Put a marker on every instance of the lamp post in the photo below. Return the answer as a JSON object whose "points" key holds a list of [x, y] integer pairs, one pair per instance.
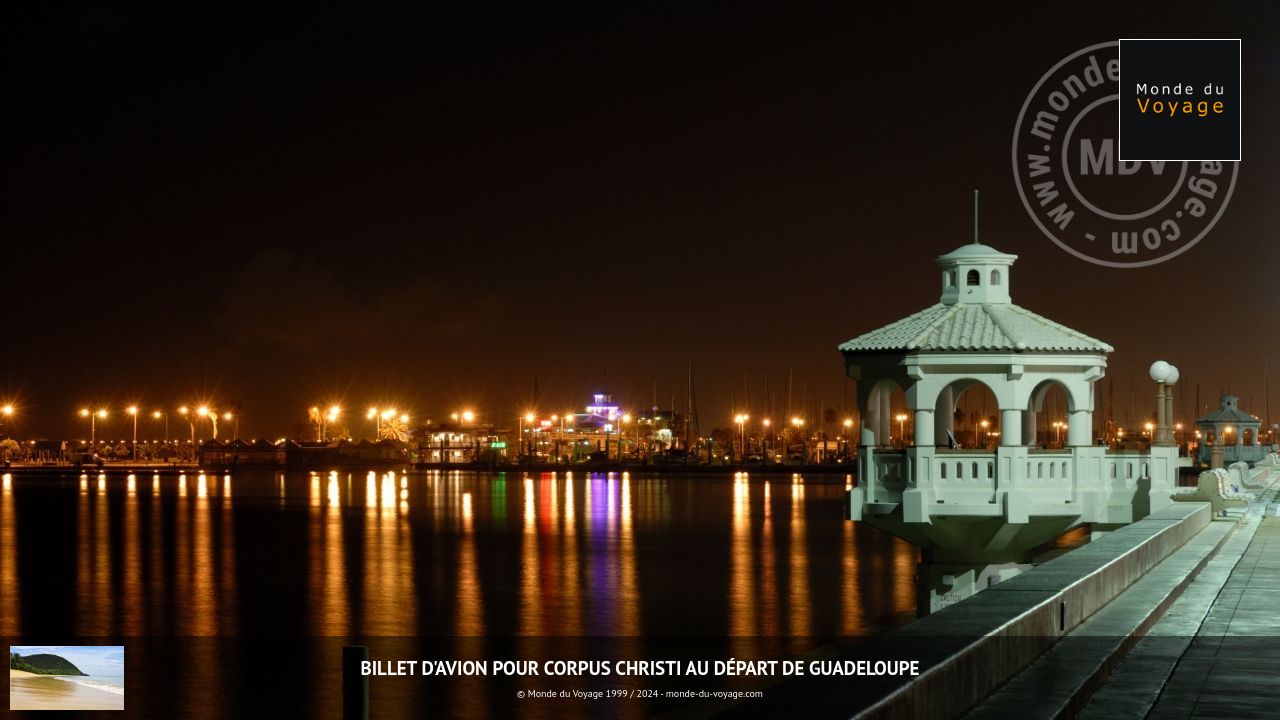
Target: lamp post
{"points": [[331, 417], [798, 423], [1166, 376], [159, 414], [768, 439], [379, 416], [984, 425], [235, 423], [741, 420], [525, 420], [204, 412], [623, 421], [133, 452], [847, 435], [560, 434], [902, 428], [7, 412], [93, 422]]}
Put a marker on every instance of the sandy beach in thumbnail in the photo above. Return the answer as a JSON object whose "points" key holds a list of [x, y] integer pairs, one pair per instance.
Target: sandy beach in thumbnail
{"points": [[28, 691]]}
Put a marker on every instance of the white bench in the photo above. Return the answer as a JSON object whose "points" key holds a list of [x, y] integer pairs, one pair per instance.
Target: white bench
{"points": [[1219, 489]]}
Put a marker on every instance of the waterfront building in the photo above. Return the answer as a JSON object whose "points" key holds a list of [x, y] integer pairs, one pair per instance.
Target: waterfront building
{"points": [[461, 442]]}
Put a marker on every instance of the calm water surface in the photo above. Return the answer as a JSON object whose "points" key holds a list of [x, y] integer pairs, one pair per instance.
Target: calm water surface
{"points": [[211, 579]]}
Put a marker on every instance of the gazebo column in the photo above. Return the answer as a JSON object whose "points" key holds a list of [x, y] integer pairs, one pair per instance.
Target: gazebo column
{"points": [[869, 411], [1079, 428], [884, 433], [942, 420], [1010, 428], [1029, 427], [924, 427]]}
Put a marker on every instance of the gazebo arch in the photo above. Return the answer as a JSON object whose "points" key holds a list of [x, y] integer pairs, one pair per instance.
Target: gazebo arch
{"points": [[876, 409], [946, 401]]}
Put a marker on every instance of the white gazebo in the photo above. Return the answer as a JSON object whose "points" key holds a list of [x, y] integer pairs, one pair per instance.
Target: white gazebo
{"points": [[977, 513], [1231, 431]]}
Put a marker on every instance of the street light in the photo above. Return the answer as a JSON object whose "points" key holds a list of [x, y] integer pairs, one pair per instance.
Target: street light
{"points": [[902, 428], [521, 421], [159, 414], [984, 425], [204, 412], [330, 417], [741, 420], [235, 424], [468, 416], [797, 422], [93, 422], [133, 411]]}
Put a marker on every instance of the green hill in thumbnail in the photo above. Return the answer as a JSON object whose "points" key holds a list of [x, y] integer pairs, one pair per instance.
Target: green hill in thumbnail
{"points": [[43, 664]]}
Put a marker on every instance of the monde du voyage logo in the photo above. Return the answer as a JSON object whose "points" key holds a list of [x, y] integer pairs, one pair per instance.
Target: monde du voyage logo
{"points": [[1083, 197]]}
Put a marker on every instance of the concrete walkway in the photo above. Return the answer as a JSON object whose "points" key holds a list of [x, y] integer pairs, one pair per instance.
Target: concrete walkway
{"points": [[1216, 652]]}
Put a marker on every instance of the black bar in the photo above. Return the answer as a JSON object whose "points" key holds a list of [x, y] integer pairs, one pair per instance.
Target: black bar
{"points": [[355, 684]]}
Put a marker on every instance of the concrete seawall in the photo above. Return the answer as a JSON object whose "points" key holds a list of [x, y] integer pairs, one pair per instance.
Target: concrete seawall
{"points": [[977, 645]]}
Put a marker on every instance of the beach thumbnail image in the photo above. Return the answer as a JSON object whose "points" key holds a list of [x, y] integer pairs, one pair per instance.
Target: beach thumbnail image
{"points": [[66, 677]]}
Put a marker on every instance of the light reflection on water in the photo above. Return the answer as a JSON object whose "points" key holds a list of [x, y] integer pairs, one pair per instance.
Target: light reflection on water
{"points": [[597, 554], [10, 596]]}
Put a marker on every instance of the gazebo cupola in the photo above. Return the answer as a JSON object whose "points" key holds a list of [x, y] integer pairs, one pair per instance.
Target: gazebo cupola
{"points": [[977, 274]]}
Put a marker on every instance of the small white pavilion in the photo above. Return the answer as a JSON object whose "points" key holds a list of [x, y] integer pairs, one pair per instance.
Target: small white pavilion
{"points": [[1231, 431], [975, 512]]}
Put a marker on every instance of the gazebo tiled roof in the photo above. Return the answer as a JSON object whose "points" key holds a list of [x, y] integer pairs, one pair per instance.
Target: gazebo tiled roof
{"points": [[1229, 412], [999, 327]]}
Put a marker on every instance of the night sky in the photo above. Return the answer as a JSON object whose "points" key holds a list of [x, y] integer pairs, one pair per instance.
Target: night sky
{"points": [[285, 208]]}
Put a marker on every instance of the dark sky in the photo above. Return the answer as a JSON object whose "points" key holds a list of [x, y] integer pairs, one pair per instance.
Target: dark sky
{"points": [[280, 208]]}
